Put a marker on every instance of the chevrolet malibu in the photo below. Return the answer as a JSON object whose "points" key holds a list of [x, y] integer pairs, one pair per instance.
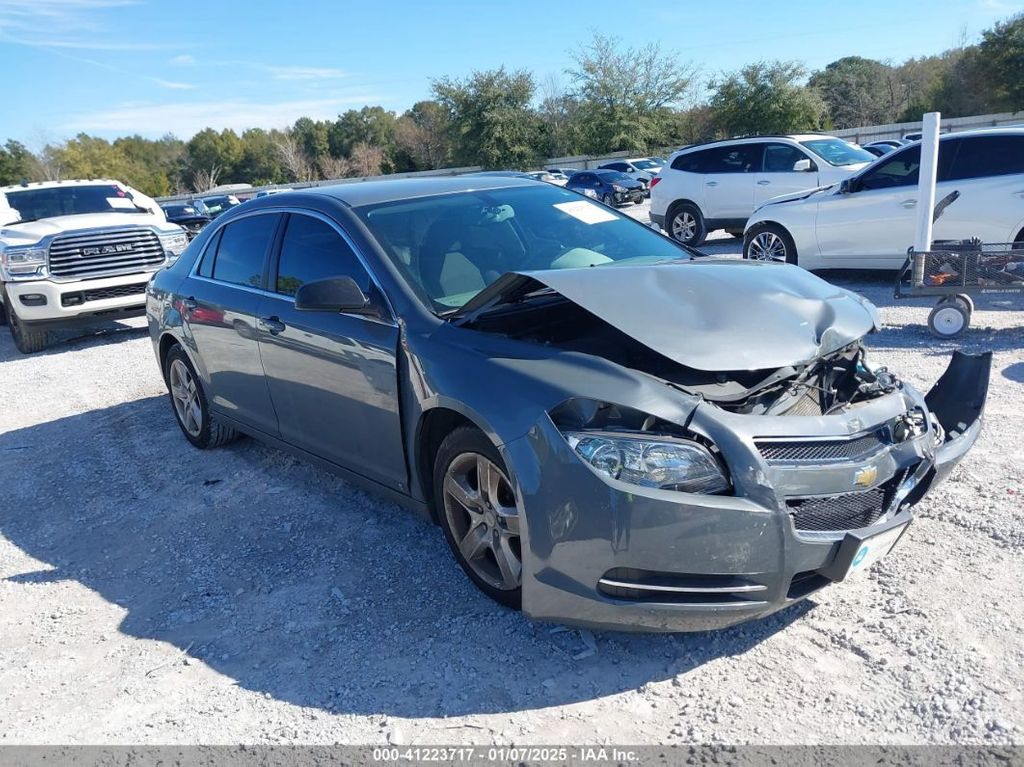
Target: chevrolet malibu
{"points": [[608, 431]]}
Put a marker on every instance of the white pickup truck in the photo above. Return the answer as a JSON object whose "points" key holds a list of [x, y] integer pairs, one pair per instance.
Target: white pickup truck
{"points": [[77, 253]]}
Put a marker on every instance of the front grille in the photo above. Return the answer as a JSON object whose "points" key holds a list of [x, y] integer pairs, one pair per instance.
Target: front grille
{"points": [[849, 511], [99, 294], [822, 451], [102, 254]]}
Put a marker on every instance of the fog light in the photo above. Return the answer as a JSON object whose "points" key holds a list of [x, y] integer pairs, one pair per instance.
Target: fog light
{"points": [[33, 299]]}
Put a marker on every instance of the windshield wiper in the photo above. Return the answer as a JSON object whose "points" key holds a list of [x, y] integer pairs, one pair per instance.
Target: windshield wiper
{"points": [[497, 302]]}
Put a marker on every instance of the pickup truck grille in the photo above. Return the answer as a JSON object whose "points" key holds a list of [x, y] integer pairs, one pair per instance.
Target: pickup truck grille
{"points": [[102, 254]]}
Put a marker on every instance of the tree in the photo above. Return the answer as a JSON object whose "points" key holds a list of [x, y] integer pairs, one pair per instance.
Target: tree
{"points": [[422, 133], [765, 98], [370, 125], [623, 93], [1001, 59], [856, 91], [492, 123], [366, 160], [16, 163], [313, 138], [260, 162], [295, 162]]}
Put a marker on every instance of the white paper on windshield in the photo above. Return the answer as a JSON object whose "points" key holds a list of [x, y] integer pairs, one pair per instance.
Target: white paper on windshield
{"points": [[587, 212], [120, 203]]}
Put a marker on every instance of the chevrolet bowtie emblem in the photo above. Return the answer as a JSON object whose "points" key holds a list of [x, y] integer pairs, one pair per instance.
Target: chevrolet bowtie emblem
{"points": [[865, 477]]}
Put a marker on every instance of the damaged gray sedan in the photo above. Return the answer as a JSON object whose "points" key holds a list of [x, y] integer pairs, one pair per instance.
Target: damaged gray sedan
{"points": [[608, 431]]}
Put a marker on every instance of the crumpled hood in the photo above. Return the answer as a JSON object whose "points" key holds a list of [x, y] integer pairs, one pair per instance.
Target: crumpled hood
{"points": [[806, 194], [711, 315], [33, 231]]}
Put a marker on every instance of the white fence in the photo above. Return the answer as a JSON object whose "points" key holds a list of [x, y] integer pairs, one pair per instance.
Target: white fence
{"points": [[948, 125]]}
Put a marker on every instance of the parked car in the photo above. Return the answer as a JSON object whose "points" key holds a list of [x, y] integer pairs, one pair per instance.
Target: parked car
{"points": [[508, 358], [609, 186], [876, 150], [219, 203], [718, 185], [641, 169], [77, 254], [868, 221], [558, 179], [567, 172], [191, 216]]}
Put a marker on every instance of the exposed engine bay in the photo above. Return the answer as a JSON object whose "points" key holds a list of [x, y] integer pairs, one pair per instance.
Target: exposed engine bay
{"points": [[823, 386]]}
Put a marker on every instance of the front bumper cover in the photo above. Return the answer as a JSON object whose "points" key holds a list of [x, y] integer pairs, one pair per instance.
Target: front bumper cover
{"points": [[737, 557]]}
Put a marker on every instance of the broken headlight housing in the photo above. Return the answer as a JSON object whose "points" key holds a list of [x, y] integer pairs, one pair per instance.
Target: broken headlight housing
{"points": [[26, 263], [667, 464]]}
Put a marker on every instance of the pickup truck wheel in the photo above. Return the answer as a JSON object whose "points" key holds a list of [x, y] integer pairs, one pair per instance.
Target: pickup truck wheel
{"points": [[190, 406], [3, 312], [26, 340]]}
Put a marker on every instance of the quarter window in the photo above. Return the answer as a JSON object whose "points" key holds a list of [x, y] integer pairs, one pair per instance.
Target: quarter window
{"points": [[242, 250], [313, 250]]}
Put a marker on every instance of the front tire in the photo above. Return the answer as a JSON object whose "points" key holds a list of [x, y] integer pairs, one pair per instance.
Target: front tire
{"points": [[769, 242], [608, 200], [476, 506], [190, 405], [686, 225], [26, 340]]}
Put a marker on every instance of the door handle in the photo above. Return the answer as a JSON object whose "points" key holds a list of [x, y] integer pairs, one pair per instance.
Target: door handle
{"points": [[272, 325], [712, 183], [909, 204], [763, 182]]}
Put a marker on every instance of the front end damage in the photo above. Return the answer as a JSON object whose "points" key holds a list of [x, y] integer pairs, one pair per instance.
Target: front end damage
{"points": [[824, 460]]}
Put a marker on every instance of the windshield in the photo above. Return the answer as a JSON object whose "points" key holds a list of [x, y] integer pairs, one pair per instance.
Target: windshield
{"points": [[181, 210], [837, 152], [615, 177], [71, 200], [645, 164], [450, 247]]}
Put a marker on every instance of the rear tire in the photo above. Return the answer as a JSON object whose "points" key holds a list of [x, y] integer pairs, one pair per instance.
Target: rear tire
{"points": [[26, 340], [479, 514], [189, 403], [686, 224], [770, 242]]}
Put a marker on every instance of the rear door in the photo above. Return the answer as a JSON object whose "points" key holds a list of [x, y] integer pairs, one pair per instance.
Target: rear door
{"points": [[332, 377], [219, 305], [777, 176], [729, 173]]}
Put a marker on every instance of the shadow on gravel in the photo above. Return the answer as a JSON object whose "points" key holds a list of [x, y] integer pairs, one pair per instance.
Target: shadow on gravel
{"points": [[66, 340], [293, 583]]}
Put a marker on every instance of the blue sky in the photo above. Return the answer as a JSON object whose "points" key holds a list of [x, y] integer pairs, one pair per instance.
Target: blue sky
{"points": [[117, 67]]}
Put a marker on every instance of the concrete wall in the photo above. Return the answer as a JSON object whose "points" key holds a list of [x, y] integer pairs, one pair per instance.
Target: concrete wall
{"points": [[871, 133]]}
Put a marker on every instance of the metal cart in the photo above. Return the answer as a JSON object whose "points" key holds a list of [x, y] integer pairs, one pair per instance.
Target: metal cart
{"points": [[955, 271]]}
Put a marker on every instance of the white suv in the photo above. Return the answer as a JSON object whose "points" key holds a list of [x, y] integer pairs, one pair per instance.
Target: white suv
{"points": [[869, 220], [77, 253], [718, 185]]}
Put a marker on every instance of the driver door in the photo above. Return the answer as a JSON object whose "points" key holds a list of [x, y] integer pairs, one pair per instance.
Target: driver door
{"points": [[778, 177]]}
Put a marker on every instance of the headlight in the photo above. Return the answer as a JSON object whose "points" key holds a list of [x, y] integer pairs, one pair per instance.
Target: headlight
{"points": [[679, 465], [618, 188], [174, 244], [23, 263]]}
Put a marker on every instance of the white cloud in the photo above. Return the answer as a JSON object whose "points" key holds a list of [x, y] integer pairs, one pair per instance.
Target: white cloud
{"points": [[305, 73], [61, 24], [174, 86], [187, 119], [184, 60]]}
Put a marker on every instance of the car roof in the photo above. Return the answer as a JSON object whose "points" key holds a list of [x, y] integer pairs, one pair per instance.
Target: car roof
{"points": [[58, 184], [358, 193]]}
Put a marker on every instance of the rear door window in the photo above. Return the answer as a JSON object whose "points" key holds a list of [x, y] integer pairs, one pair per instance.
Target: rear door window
{"points": [[983, 156], [242, 250], [741, 158]]}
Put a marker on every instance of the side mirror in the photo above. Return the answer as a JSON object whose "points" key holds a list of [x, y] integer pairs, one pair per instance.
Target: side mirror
{"points": [[335, 294], [847, 186], [802, 166]]}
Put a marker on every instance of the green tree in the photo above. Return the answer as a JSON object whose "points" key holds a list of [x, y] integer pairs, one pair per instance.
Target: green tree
{"points": [[856, 91], [492, 122], [374, 126], [1001, 62], [210, 153], [260, 161], [313, 137], [765, 98], [625, 95], [422, 137], [17, 163]]}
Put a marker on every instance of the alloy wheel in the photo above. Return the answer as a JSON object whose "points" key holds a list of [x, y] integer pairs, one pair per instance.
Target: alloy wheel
{"points": [[481, 512], [684, 226], [767, 246], [185, 396]]}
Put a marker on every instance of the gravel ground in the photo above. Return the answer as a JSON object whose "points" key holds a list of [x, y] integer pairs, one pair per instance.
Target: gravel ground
{"points": [[152, 593]]}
